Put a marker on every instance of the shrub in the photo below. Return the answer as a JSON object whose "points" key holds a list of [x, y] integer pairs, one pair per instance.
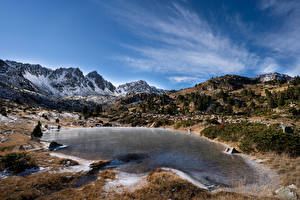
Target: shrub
{"points": [[186, 123], [163, 122], [37, 131], [16, 162], [212, 121], [255, 137]]}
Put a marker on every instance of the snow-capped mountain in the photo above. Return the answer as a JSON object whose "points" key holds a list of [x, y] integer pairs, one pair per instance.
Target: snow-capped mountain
{"points": [[65, 82], [57, 83], [136, 87], [272, 76]]}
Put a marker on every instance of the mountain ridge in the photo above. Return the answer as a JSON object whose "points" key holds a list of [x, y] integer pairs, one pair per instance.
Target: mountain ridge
{"points": [[63, 82]]}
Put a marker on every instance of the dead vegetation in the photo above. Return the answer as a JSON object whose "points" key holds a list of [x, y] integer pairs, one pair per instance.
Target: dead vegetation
{"points": [[35, 185], [288, 168]]}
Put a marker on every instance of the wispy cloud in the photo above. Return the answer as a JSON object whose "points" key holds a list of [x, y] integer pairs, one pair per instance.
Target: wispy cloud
{"points": [[177, 40], [269, 65], [181, 42]]}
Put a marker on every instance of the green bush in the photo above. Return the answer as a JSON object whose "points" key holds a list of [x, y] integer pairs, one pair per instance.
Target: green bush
{"points": [[163, 122], [255, 137], [16, 162], [212, 121], [186, 123]]}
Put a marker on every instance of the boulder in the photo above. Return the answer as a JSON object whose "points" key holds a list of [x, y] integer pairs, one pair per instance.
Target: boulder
{"points": [[285, 193], [54, 145], [285, 128], [231, 150]]}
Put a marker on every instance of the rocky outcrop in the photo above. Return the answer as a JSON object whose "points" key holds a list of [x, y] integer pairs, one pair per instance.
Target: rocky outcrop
{"points": [[271, 77]]}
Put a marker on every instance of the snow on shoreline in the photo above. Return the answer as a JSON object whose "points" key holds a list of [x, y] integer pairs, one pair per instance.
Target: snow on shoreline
{"points": [[84, 165], [186, 177]]}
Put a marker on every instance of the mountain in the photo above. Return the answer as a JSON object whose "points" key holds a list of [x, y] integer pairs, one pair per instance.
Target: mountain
{"points": [[65, 82], [136, 87], [227, 82], [272, 76], [56, 83]]}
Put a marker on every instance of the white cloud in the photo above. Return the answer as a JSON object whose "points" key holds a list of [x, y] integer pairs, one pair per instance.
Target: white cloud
{"points": [[179, 41], [183, 79]]}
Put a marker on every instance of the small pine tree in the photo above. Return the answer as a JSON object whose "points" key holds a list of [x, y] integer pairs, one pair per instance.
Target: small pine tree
{"points": [[84, 110], [3, 111], [37, 131], [281, 100], [97, 110]]}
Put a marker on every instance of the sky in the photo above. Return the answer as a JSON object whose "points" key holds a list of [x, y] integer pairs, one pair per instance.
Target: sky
{"points": [[170, 44]]}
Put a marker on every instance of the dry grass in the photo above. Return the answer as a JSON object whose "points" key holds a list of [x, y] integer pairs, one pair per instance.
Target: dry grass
{"points": [[286, 167], [13, 141], [33, 186], [165, 185], [108, 174]]}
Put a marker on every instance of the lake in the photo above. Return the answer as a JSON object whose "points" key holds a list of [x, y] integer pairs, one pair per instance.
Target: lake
{"points": [[139, 150]]}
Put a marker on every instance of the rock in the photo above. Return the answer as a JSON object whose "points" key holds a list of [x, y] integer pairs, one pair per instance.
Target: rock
{"points": [[285, 128], [231, 150], [285, 193], [54, 145], [292, 186], [68, 162]]}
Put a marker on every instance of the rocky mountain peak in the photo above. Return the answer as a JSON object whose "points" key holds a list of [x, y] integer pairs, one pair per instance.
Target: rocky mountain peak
{"points": [[137, 86], [272, 76]]}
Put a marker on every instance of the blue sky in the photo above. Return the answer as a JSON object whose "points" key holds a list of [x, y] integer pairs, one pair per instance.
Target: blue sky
{"points": [[170, 44]]}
